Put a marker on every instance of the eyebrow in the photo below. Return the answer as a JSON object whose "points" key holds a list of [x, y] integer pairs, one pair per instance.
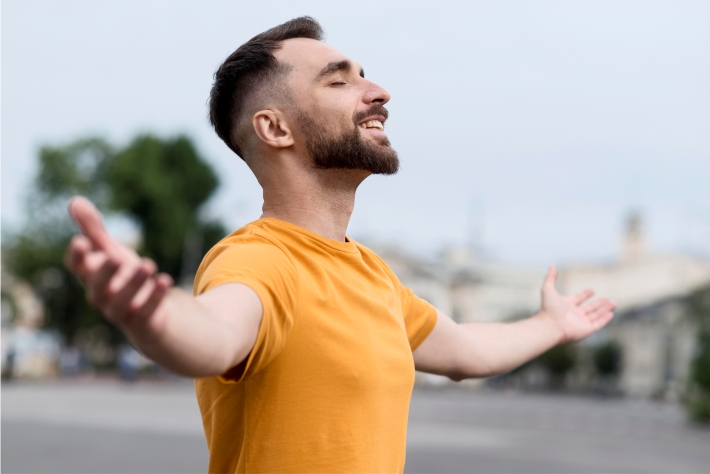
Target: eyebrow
{"points": [[335, 66]]}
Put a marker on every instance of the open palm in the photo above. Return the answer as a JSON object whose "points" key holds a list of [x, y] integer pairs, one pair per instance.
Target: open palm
{"points": [[576, 317]]}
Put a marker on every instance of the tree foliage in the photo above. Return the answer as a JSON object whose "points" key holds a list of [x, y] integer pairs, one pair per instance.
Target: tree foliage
{"points": [[77, 168], [607, 359], [162, 184], [159, 183], [36, 254], [698, 305], [701, 363], [559, 360]]}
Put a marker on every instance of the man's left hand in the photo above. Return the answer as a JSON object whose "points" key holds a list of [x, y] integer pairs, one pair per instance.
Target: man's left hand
{"points": [[575, 317]]}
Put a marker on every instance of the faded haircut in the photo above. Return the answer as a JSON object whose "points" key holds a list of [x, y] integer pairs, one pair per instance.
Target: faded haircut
{"points": [[250, 76]]}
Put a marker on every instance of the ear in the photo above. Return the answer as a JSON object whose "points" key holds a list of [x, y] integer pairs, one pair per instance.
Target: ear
{"points": [[271, 128]]}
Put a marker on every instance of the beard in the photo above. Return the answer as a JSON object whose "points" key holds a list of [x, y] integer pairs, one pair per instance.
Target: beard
{"points": [[347, 149]]}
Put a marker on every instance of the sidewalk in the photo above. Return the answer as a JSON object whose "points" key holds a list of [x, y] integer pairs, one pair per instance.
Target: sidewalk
{"points": [[110, 427]]}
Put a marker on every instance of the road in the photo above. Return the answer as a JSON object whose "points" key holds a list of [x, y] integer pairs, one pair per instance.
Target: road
{"points": [[109, 427]]}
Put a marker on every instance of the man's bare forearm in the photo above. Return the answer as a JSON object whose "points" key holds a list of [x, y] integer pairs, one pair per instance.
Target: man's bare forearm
{"points": [[188, 335], [497, 348], [477, 350]]}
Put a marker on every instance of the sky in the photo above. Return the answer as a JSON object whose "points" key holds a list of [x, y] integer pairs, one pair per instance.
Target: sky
{"points": [[528, 128]]}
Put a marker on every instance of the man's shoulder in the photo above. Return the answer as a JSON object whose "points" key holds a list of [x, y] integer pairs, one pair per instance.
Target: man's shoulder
{"points": [[250, 236], [373, 259], [249, 249], [250, 243]]}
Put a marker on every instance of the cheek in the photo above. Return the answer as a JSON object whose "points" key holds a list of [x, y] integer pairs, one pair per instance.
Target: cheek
{"points": [[337, 121], [337, 115], [334, 107]]}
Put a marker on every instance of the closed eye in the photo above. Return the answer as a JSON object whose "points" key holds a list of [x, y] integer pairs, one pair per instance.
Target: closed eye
{"points": [[338, 83]]}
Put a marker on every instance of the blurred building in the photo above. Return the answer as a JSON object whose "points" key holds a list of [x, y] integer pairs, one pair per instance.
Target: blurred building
{"points": [[651, 327], [467, 288], [27, 350]]}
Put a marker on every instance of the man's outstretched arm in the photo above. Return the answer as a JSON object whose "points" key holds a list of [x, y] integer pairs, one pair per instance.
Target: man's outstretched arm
{"points": [[477, 350], [192, 336]]}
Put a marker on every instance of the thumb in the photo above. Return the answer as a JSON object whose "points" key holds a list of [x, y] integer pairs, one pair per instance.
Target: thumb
{"points": [[550, 279], [89, 221]]}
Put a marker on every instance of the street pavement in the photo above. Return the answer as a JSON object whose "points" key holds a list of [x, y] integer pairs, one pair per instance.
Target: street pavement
{"points": [[154, 427]]}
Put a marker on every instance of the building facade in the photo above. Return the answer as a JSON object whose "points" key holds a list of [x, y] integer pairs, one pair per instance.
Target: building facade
{"points": [[651, 326]]}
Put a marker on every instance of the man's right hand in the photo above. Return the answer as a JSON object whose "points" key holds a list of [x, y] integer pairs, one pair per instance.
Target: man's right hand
{"points": [[192, 336], [122, 285]]}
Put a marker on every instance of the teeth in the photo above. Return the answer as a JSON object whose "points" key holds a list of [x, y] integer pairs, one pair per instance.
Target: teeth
{"points": [[372, 124]]}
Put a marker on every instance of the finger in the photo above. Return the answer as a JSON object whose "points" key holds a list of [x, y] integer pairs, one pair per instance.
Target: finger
{"points": [[98, 282], [146, 290], [79, 246], [120, 302], [603, 319], [87, 263], [550, 278], [593, 305], [582, 296], [93, 261], [162, 284], [604, 308], [88, 218]]}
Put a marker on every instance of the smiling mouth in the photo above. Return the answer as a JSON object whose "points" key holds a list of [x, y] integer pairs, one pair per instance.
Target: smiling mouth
{"points": [[372, 124]]}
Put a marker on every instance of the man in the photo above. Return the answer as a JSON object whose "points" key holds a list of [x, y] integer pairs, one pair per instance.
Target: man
{"points": [[304, 342]]}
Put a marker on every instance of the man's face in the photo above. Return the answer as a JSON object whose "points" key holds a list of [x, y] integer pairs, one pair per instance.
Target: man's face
{"points": [[340, 113]]}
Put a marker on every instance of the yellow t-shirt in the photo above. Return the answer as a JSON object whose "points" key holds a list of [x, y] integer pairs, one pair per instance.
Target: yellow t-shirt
{"points": [[327, 385]]}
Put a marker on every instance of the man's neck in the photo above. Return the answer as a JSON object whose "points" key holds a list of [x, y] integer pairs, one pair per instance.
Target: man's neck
{"points": [[321, 202]]}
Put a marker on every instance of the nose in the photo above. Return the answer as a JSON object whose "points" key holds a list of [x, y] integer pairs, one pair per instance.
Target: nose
{"points": [[375, 94]]}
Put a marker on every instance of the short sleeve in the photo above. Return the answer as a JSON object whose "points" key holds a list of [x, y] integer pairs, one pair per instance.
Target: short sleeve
{"points": [[419, 317], [263, 266]]}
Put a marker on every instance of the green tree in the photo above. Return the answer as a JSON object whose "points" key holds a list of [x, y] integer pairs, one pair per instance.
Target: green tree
{"points": [[162, 184], [698, 306], [159, 183], [607, 359], [36, 254], [558, 362]]}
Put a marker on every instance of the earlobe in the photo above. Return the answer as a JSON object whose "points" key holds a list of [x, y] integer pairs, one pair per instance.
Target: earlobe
{"points": [[272, 129]]}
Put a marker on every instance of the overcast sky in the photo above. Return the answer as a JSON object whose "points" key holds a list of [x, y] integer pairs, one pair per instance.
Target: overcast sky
{"points": [[539, 123]]}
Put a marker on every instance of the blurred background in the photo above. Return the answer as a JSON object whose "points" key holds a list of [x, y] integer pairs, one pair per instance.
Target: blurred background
{"points": [[530, 133]]}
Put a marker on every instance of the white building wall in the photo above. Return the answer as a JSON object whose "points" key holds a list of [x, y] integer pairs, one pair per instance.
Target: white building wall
{"points": [[657, 349]]}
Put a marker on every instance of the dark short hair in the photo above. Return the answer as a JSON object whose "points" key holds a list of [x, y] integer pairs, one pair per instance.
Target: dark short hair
{"points": [[250, 66]]}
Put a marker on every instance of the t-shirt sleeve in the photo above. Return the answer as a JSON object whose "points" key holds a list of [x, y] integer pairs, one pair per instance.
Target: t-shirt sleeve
{"points": [[419, 317], [265, 268]]}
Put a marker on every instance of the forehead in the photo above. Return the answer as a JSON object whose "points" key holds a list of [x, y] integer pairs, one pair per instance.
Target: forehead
{"points": [[308, 57]]}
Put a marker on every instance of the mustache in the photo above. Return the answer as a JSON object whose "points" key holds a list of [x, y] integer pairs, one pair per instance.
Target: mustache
{"points": [[374, 110]]}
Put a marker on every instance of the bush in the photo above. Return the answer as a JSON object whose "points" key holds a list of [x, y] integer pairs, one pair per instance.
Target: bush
{"points": [[699, 408], [698, 400], [701, 364], [557, 362], [607, 359]]}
